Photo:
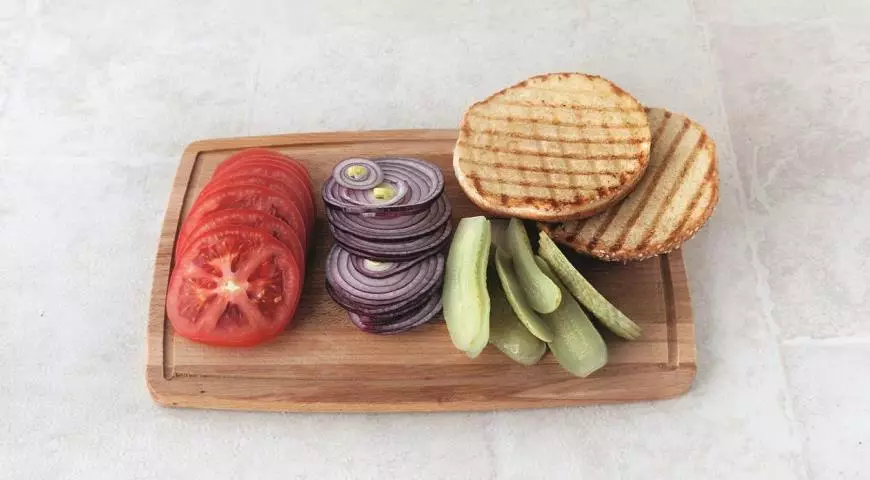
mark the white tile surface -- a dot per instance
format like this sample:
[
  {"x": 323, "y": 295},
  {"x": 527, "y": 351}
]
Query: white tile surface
[
  {"x": 800, "y": 131},
  {"x": 16, "y": 28},
  {"x": 406, "y": 68},
  {"x": 779, "y": 11},
  {"x": 122, "y": 78},
  {"x": 97, "y": 99},
  {"x": 832, "y": 388}
]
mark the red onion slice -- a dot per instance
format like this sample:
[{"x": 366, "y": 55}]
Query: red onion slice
[
  {"x": 368, "y": 197},
  {"x": 417, "y": 183},
  {"x": 358, "y": 174},
  {"x": 391, "y": 310},
  {"x": 426, "y": 313},
  {"x": 413, "y": 258},
  {"x": 394, "y": 250},
  {"x": 402, "y": 227},
  {"x": 389, "y": 268},
  {"x": 356, "y": 286}
]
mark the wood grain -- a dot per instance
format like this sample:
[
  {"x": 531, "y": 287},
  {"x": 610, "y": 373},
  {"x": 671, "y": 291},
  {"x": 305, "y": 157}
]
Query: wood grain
[{"x": 323, "y": 363}]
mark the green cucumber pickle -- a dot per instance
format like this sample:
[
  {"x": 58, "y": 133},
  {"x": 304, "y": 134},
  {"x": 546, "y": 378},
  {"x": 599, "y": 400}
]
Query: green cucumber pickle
[
  {"x": 577, "y": 346},
  {"x": 464, "y": 296},
  {"x": 584, "y": 292}
]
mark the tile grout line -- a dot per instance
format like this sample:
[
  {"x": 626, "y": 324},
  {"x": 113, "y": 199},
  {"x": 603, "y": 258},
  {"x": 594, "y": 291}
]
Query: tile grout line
[{"x": 762, "y": 289}]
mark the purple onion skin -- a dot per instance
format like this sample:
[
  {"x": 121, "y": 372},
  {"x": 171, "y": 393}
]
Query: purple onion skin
[
  {"x": 406, "y": 231},
  {"x": 426, "y": 313},
  {"x": 396, "y": 268},
  {"x": 375, "y": 321},
  {"x": 374, "y": 176},
  {"x": 393, "y": 251},
  {"x": 395, "y": 227},
  {"x": 431, "y": 179},
  {"x": 359, "y": 287},
  {"x": 381, "y": 311},
  {"x": 409, "y": 258}
]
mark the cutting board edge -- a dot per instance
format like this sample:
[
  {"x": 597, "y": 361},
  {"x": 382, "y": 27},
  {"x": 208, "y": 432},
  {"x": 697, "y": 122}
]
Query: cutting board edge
[
  {"x": 187, "y": 392},
  {"x": 313, "y": 138}
]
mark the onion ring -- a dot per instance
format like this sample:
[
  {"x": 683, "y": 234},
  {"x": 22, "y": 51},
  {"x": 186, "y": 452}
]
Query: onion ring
[
  {"x": 403, "y": 227},
  {"x": 356, "y": 286},
  {"x": 369, "y": 197},
  {"x": 395, "y": 250},
  {"x": 380, "y": 311},
  {"x": 417, "y": 183},
  {"x": 426, "y": 313},
  {"x": 358, "y": 174},
  {"x": 388, "y": 267}
]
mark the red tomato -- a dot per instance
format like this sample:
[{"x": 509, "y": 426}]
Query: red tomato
[
  {"x": 291, "y": 191},
  {"x": 234, "y": 286},
  {"x": 247, "y": 198},
  {"x": 267, "y": 167},
  {"x": 252, "y": 219},
  {"x": 257, "y": 154}
]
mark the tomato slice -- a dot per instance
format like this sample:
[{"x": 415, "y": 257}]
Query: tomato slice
[
  {"x": 289, "y": 189},
  {"x": 263, "y": 154},
  {"x": 268, "y": 167},
  {"x": 250, "y": 197},
  {"x": 234, "y": 286},
  {"x": 253, "y": 219}
]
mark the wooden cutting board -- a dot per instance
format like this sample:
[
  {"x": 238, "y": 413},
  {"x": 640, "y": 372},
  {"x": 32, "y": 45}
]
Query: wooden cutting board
[{"x": 323, "y": 363}]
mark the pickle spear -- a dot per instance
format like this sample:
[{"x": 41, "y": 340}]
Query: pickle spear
[
  {"x": 464, "y": 296},
  {"x": 543, "y": 294},
  {"x": 499, "y": 226},
  {"x": 517, "y": 299},
  {"x": 577, "y": 345},
  {"x": 482, "y": 338},
  {"x": 585, "y": 293},
  {"x": 506, "y": 332}
]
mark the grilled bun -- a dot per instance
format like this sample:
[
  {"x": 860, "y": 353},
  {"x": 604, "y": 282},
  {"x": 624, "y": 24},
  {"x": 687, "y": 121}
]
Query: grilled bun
[
  {"x": 673, "y": 200},
  {"x": 554, "y": 147}
]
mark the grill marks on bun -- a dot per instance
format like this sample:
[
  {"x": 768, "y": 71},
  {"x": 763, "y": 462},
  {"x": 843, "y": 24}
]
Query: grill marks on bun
[
  {"x": 673, "y": 200},
  {"x": 554, "y": 147}
]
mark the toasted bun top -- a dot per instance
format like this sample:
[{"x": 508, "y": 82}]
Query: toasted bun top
[
  {"x": 673, "y": 200},
  {"x": 553, "y": 147}
]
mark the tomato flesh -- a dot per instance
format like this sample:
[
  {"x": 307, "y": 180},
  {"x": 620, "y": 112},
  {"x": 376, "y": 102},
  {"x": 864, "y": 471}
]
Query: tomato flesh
[
  {"x": 250, "y": 197},
  {"x": 253, "y": 219},
  {"x": 268, "y": 167},
  {"x": 234, "y": 286},
  {"x": 258, "y": 154},
  {"x": 289, "y": 190}
]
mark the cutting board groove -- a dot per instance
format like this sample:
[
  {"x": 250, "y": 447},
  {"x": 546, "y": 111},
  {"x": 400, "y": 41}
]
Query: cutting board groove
[{"x": 323, "y": 363}]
